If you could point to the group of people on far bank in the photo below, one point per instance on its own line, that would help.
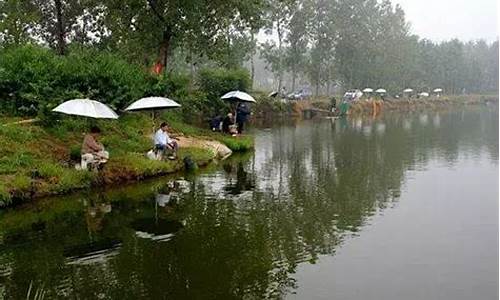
(232, 124)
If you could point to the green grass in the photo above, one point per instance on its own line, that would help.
(237, 144)
(5, 198)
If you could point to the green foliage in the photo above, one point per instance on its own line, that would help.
(170, 85)
(267, 105)
(216, 82)
(34, 79)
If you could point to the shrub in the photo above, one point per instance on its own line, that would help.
(25, 78)
(216, 82)
(267, 105)
(171, 85)
(34, 79)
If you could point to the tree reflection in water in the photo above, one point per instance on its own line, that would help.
(237, 232)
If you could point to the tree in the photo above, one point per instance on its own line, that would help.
(198, 25)
(273, 51)
(297, 39)
(17, 19)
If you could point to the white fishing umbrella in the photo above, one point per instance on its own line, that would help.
(86, 108)
(368, 90)
(381, 91)
(438, 90)
(152, 103)
(238, 96)
(424, 94)
(407, 91)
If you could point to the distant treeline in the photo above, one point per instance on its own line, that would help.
(322, 43)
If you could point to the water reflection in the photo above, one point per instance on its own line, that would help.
(241, 230)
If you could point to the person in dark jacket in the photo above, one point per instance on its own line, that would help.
(242, 112)
(215, 123)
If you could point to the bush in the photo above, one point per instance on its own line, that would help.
(26, 75)
(216, 82)
(34, 79)
(267, 105)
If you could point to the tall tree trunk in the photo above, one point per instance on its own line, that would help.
(294, 75)
(252, 61)
(61, 45)
(165, 47)
(280, 67)
(252, 66)
(318, 82)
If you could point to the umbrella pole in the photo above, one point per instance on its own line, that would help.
(153, 121)
(236, 112)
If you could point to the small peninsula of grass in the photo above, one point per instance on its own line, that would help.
(37, 160)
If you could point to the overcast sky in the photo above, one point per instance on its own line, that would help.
(440, 20)
(446, 19)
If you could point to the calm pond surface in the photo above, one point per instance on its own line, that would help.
(401, 207)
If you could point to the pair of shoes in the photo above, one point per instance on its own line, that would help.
(172, 157)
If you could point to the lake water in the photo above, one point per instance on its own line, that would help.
(400, 207)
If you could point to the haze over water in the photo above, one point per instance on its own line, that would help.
(399, 207)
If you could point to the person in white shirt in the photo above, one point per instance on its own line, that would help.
(163, 142)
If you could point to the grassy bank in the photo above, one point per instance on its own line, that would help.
(38, 160)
